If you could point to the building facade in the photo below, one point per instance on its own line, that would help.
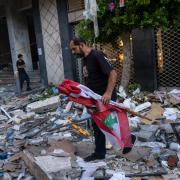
(41, 31)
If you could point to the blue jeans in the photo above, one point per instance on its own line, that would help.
(24, 77)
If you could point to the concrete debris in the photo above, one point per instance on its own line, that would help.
(51, 102)
(53, 164)
(3, 118)
(37, 140)
(5, 112)
(89, 168)
(134, 122)
(142, 107)
(172, 113)
(59, 153)
(146, 132)
(121, 93)
(174, 146)
(174, 97)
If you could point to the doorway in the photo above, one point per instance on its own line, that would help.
(32, 39)
(5, 52)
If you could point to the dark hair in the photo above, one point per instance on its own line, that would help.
(20, 55)
(77, 41)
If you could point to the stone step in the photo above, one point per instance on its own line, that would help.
(13, 82)
(12, 78)
(7, 77)
(4, 82)
(12, 88)
(10, 73)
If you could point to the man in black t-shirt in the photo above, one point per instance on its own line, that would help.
(23, 76)
(101, 78)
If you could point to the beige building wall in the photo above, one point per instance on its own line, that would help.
(51, 39)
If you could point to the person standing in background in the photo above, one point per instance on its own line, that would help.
(23, 76)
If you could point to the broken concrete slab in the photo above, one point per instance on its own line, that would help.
(34, 168)
(51, 102)
(26, 116)
(48, 167)
(52, 164)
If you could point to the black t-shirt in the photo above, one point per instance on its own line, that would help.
(20, 62)
(98, 69)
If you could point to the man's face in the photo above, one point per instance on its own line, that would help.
(77, 49)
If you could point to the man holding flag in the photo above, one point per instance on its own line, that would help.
(101, 78)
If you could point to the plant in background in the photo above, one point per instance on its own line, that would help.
(115, 23)
(133, 86)
(85, 30)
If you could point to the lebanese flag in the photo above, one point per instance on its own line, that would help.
(111, 118)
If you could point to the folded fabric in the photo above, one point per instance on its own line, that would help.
(111, 118)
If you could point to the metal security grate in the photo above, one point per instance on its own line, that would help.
(113, 56)
(78, 61)
(168, 58)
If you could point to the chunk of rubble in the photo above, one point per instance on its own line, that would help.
(59, 153)
(142, 107)
(172, 113)
(52, 164)
(51, 102)
(3, 118)
(146, 132)
(174, 97)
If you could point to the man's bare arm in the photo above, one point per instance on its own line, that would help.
(110, 87)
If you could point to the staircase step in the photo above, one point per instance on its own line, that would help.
(10, 81)
(34, 72)
(7, 78)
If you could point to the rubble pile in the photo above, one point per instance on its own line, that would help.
(44, 136)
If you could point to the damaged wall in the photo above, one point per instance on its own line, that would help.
(51, 39)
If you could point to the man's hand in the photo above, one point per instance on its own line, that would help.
(106, 98)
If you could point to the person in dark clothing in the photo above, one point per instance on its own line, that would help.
(101, 78)
(23, 76)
